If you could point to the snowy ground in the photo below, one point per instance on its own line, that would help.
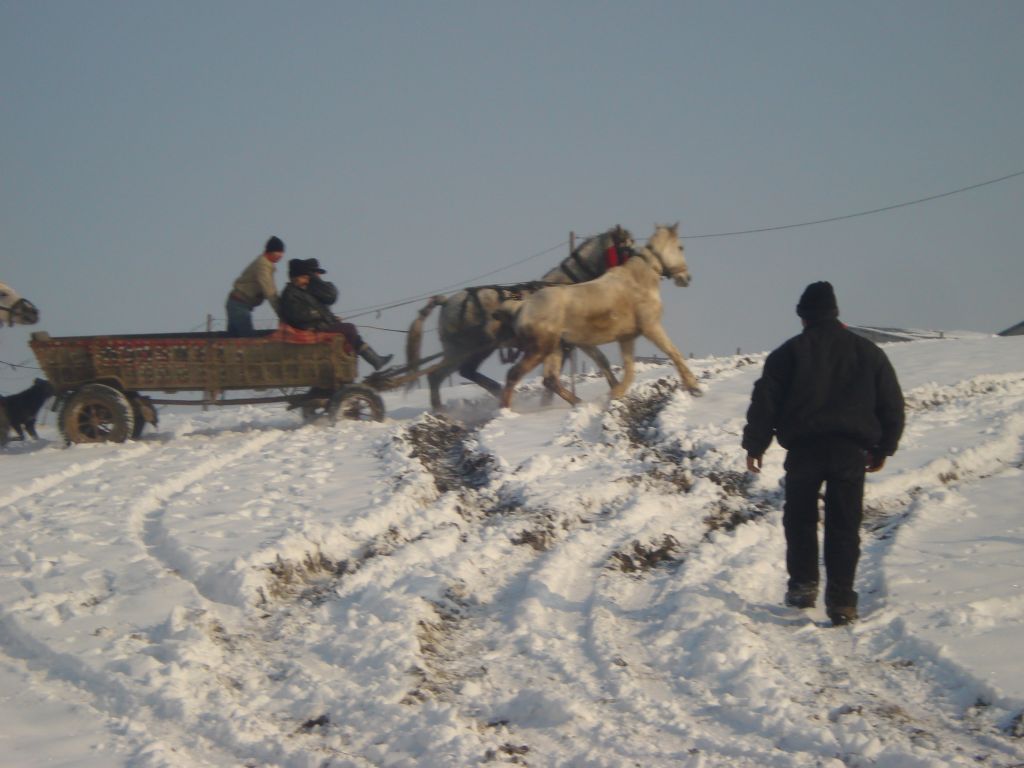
(598, 586)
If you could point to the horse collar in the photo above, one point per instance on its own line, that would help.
(658, 266)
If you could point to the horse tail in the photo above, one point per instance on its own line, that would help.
(412, 341)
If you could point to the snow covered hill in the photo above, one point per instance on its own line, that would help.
(597, 586)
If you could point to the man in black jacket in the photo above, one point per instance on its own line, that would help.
(305, 304)
(832, 400)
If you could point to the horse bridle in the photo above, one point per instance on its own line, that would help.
(22, 308)
(647, 253)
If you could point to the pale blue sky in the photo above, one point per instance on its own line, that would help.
(148, 149)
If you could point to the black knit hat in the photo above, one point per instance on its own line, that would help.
(274, 245)
(818, 302)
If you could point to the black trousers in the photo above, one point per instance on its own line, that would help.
(839, 465)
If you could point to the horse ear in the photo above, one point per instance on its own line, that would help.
(675, 228)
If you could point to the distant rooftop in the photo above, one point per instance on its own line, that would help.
(886, 335)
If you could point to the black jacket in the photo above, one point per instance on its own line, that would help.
(300, 309)
(321, 290)
(826, 382)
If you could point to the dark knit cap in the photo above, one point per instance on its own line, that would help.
(818, 302)
(274, 245)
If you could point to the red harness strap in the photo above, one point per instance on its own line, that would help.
(616, 258)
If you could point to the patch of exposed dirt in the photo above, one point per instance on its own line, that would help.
(441, 445)
(638, 413)
(640, 557)
(288, 578)
(442, 662)
(736, 505)
(316, 576)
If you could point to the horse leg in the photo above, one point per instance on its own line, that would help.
(548, 393)
(626, 348)
(531, 359)
(436, 377)
(660, 339)
(552, 379)
(468, 370)
(595, 354)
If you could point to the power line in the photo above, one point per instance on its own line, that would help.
(860, 213)
(370, 309)
(20, 365)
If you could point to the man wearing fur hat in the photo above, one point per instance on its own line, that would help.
(253, 286)
(832, 400)
(305, 305)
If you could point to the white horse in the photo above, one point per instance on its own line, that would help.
(621, 305)
(469, 332)
(15, 310)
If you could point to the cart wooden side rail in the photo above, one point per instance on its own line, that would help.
(99, 380)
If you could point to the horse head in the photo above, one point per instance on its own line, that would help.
(665, 245)
(15, 310)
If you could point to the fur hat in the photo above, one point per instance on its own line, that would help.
(297, 267)
(274, 245)
(314, 267)
(818, 302)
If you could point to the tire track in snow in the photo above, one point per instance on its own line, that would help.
(560, 590)
(116, 695)
(292, 633)
(934, 409)
(146, 513)
(464, 619)
(604, 656)
(897, 705)
(126, 455)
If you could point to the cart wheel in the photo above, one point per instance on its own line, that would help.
(144, 412)
(96, 413)
(357, 402)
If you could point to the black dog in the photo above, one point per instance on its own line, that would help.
(19, 411)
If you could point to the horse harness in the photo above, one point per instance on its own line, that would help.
(622, 252)
(515, 292)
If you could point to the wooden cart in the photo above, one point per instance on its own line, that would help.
(100, 380)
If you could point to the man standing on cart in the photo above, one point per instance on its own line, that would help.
(305, 304)
(253, 286)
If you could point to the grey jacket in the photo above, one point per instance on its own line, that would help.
(256, 283)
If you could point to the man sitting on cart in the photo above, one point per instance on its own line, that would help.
(305, 304)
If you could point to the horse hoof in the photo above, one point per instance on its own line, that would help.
(696, 392)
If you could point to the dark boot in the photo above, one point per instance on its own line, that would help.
(377, 361)
(802, 595)
(842, 615)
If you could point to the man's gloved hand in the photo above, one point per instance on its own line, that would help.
(873, 461)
